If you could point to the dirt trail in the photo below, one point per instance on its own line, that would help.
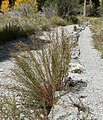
(93, 74)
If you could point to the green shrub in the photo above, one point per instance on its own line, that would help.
(73, 19)
(41, 73)
(57, 21)
(66, 7)
(11, 32)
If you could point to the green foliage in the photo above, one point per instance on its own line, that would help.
(73, 19)
(49, 2)
(41, 73)
(57, 21)
(11, 32)
(100, 9)
(64, 8)
(40, 4)
(41, 21)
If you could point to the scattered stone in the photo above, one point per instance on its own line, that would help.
(70, 107)
(83, 27)
(1, 70)
(89, 26)
(76, 84)
(79, 29)
(76, 68)
(75, 34)
(75, 28)
(63, 110)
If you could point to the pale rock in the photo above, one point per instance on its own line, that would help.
(76, 67)
(1, 70)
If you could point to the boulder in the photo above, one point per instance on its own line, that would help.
(64, 109)
(70, 107)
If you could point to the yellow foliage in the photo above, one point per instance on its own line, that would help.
(5, 4)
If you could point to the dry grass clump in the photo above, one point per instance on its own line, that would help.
(16, 29)
(14, 107)
(98, 35)
(97, 24)
(11, 32)
(8, 108)
(42, 22)
(98, 42)
(41, 73)
(46, 24)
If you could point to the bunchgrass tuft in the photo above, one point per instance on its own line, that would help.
(41, 73)
(11, 32)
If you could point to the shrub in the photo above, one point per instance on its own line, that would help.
(65, 7)
(41, 20)
(30, 27)
(28, 8)
(100, 10)
(74, 19)
(41, 73)
(57, 21)
(46, 27)
(11, 32)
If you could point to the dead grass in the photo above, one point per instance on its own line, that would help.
(98, 34)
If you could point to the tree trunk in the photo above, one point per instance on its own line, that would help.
(90, 3)
(84, 12)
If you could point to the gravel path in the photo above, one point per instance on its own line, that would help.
(93, 64)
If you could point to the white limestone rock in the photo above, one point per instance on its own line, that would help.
(1, 70)
(63, 110)
(76, 67)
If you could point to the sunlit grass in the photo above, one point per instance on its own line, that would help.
(97, 25)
